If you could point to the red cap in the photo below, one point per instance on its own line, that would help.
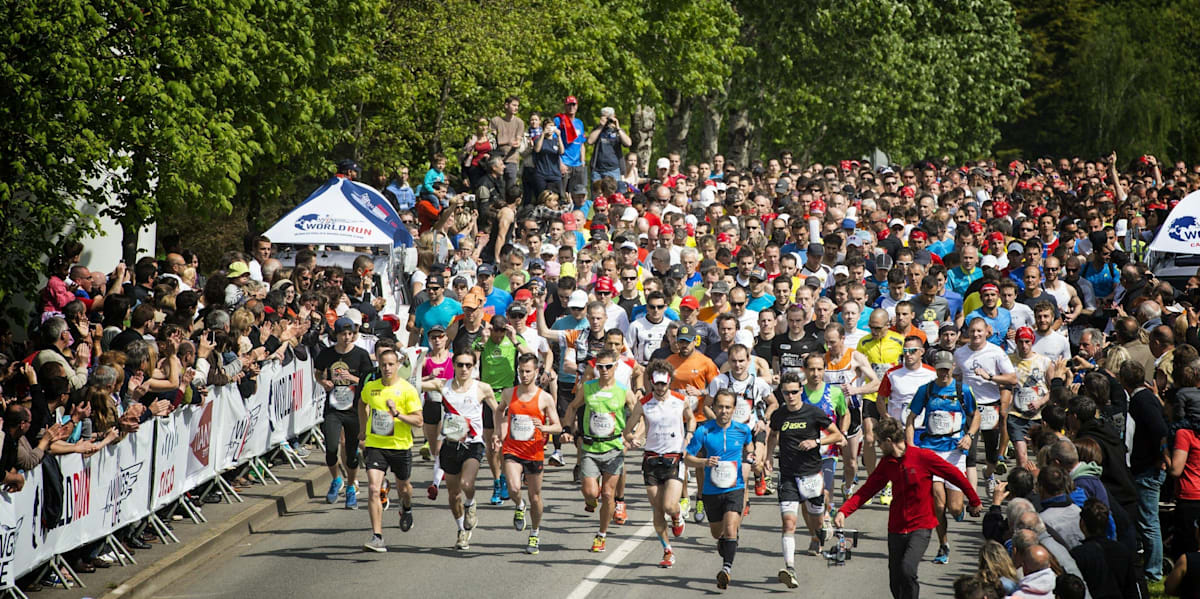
(570, 100)
(976, 227)
(816, 206)
(1012, 166)
(1037, 186)
(1158, 206)
(569, 223)
(908, 192)
(996, 237)
(1001, 208)
(619, 199)
(1038, 212)
(523, 294)
(666, 229)
(601, 202)
(605, 284)
(1025, 333)
(845, 164)
(1023, 185)
(689, 301)
(392, 320)
(918, 234)
(723, 238)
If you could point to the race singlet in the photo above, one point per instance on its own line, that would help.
(602, 424)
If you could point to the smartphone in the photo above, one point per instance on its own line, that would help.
(58, 414)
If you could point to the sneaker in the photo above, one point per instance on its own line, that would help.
(302, 452)
(677, 526)
(471, 518)
(760, 487)
(519, 520)
(375, 544)
(991, 486)
(619, 515)
(668, 559)
(426, 454)
(1001, 467)
(504, 487)
(335, 489)
(351, 498)
(847, 491)
(826, 528)
(886, 497)
(961, 515)
(943, 555)
(772, 485)
(496, 499)
(723, 579)
(699, 515)
(432, 492)
(406, 519)
(589, 505)
(814, 546)
(556, 459)
(464, 540)
(383, 496)
(746, 510)
(685, 508)
(787, 576)
(598, 544)
(532, 547)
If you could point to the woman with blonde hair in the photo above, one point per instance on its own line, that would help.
(996, 568)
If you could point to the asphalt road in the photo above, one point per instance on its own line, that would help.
(317, 552)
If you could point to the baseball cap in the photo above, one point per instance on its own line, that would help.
(759, 273)
(1016, 246)
(841, 270)
(666, 229)
(947, 326)
(686, 333)
(677, 272)
(975, 227)
(943, 359)
(849, 223)
(883, 261)
(990, 261)
(536, 263)
(605, 284)
(344, 324)
(660, 377)
(664, 163)
(816, 249)
(474, 298)
(895, 222)
(548, 249)
(516, 310)
(579, 299)
(579, 189)
(996, 237)
(628, 245)
(437, 328)
(569, 223)
(689, 301)
(630, 214)
(238, 269)
(570, 100)
(719, 287)
(438, 280)
(523, 294)
(812, 281)
(1025, 333)
(485, 269)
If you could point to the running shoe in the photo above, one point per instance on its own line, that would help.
(760, 486)
(677, 526)
(848, 490)
(619, 515)
(335, 489)
(589, 505)
(772, 485)
(426, 454)
(787, 576)
(301, 451)
(814, 546)
(699, 515)
(685, 507)
(406, 519)
(885, 498)
(464, 540)
(1002, 466)
(598, 544)
(496, 499)
(519, 519)
(432, 492)
(352, 498)
(556, 459)
(470, 518)
(383, 496)
(723, 579)
(943, 555)
(991, 486)
(961, 515)
(375, 544)
(504, 487)
(532, 547)
(668, 559)
(746, 510)
(826, 528)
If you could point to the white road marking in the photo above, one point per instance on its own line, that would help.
(593, 578)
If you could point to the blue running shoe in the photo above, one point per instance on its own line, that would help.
(496, 500)
(504, 487)
(943, 555)
(335, 487)
(351, 498)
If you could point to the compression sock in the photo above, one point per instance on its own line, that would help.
(438, 473)
(728, 549)
(459, 522)
(789, 550)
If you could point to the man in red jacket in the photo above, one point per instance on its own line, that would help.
(911, 517)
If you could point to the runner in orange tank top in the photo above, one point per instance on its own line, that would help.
(527, 415)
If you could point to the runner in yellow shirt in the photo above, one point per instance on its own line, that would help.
(883, 348)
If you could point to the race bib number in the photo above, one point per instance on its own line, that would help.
(454, 427)
(918, 422)
(691, 399)
(810, 486)
(521, 427)
(881, 369)
(742, 411)
(1023, 398)
(342, 398)
(382, 423)
(724, 474)
(942, 422)
(602, 424)
(929, 326)
(989, 417)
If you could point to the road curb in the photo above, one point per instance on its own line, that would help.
(223, 535)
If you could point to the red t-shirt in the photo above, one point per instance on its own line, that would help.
(1189, 480)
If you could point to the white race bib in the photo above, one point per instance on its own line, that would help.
(454, 427)
(989, 417)
(942, 422)
(810, 486)
(382, 423)
(602, 424)
(691, 399)
(724, 475)
(881, 369)
(741, 412)
(342, 398)
(1023, 398)
(521, 427)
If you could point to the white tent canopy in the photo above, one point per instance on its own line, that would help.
(342, 212)
(1180, 233)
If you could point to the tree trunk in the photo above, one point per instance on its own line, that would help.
(678, 123)
(644, 120)
(740, 132)
(711, 120)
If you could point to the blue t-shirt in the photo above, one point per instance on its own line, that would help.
(428, 315)
(937, 402)
(1000, 325)
(941, 248)
(573, 152)
(758, 304)
(727, 444)
(955, 300)
(1103, 279)
(640, 311)
(498, 300)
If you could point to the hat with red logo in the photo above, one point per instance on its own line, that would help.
(605, 284)
(1001, 208)
(816, 206)
(570, 100)
(1025, 333)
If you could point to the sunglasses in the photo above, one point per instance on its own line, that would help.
(737, 304)
(432, 288)
(603, 293)
(634, 278)
(791, 391)
(464, 364)
(605, 366)
(911, 350)
(656, 306)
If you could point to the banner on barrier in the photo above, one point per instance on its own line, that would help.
(170, 458)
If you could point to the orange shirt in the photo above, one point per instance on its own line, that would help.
(529, 411)
(709, 314)
(694, 372)
(913, 331)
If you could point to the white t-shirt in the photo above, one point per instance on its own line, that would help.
(1053, 345)
(535, 341)
(1022, 316)
(992, 360)
(748, 393)
(900, 385)
(617, 318)
(644, 337)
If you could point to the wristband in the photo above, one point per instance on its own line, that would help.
(566, 430)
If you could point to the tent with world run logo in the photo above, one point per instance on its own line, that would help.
(1180, 233)
(342, 212)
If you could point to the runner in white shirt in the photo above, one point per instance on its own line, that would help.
(1049, 343)
(852, 371)
(901, 383)
(851, 313)
(755, 402)
(646, 333)
(1022, 315)
(984, 367)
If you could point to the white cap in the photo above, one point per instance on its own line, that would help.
(692, 220)
(1122, 227)
(664, 163)
(895, 222)
(854, 240)
(660, 377)
(548, 249)
(989, 261)
(579, 299)
(841, 270)
(355, 315)
(630, 214)
(721, 186)
(708, 195)
(629, 245)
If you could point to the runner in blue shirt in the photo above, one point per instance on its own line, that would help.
(719, 446)
(997, 317)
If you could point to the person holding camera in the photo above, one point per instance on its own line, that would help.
(609, 139)
(548, 167)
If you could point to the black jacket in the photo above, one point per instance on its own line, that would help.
(1108, 568)
(1116, 477)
